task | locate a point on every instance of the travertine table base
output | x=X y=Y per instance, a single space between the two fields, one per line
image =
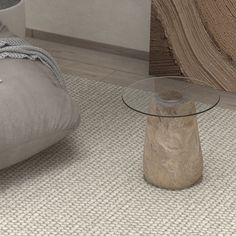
x=172 y=152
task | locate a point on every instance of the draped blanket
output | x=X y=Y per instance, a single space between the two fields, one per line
x=17 y=48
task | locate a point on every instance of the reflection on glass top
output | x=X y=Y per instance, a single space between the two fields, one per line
x=170 y=96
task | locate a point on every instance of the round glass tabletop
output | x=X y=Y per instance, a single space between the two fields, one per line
x=170 y=96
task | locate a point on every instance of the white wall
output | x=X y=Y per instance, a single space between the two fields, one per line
x=123 y=23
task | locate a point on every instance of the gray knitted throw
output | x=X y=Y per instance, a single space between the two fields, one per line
x=16 y=48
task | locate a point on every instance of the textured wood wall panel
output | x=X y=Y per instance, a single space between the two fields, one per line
x=162 y=61
x=202 y=38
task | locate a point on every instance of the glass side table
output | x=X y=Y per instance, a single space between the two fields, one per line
x=172 y=150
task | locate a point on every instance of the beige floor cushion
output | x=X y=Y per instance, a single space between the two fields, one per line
x=34 y=112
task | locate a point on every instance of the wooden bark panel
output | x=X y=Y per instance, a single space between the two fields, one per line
x=202 y=35
x=162 y=61
x=219 y=18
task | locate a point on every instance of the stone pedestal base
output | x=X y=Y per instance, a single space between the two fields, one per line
x=172 y=153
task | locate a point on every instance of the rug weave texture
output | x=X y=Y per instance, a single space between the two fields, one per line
x=91 y=183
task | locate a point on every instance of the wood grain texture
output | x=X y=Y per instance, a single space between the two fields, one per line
x=202 y=35
x=219 y=18
x=162 y=61
x=172 y=152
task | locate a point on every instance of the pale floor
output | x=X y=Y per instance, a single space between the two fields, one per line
x=95 y=65
x=101 y=66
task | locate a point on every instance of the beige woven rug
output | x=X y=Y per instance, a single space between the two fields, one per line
x=91 y=182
